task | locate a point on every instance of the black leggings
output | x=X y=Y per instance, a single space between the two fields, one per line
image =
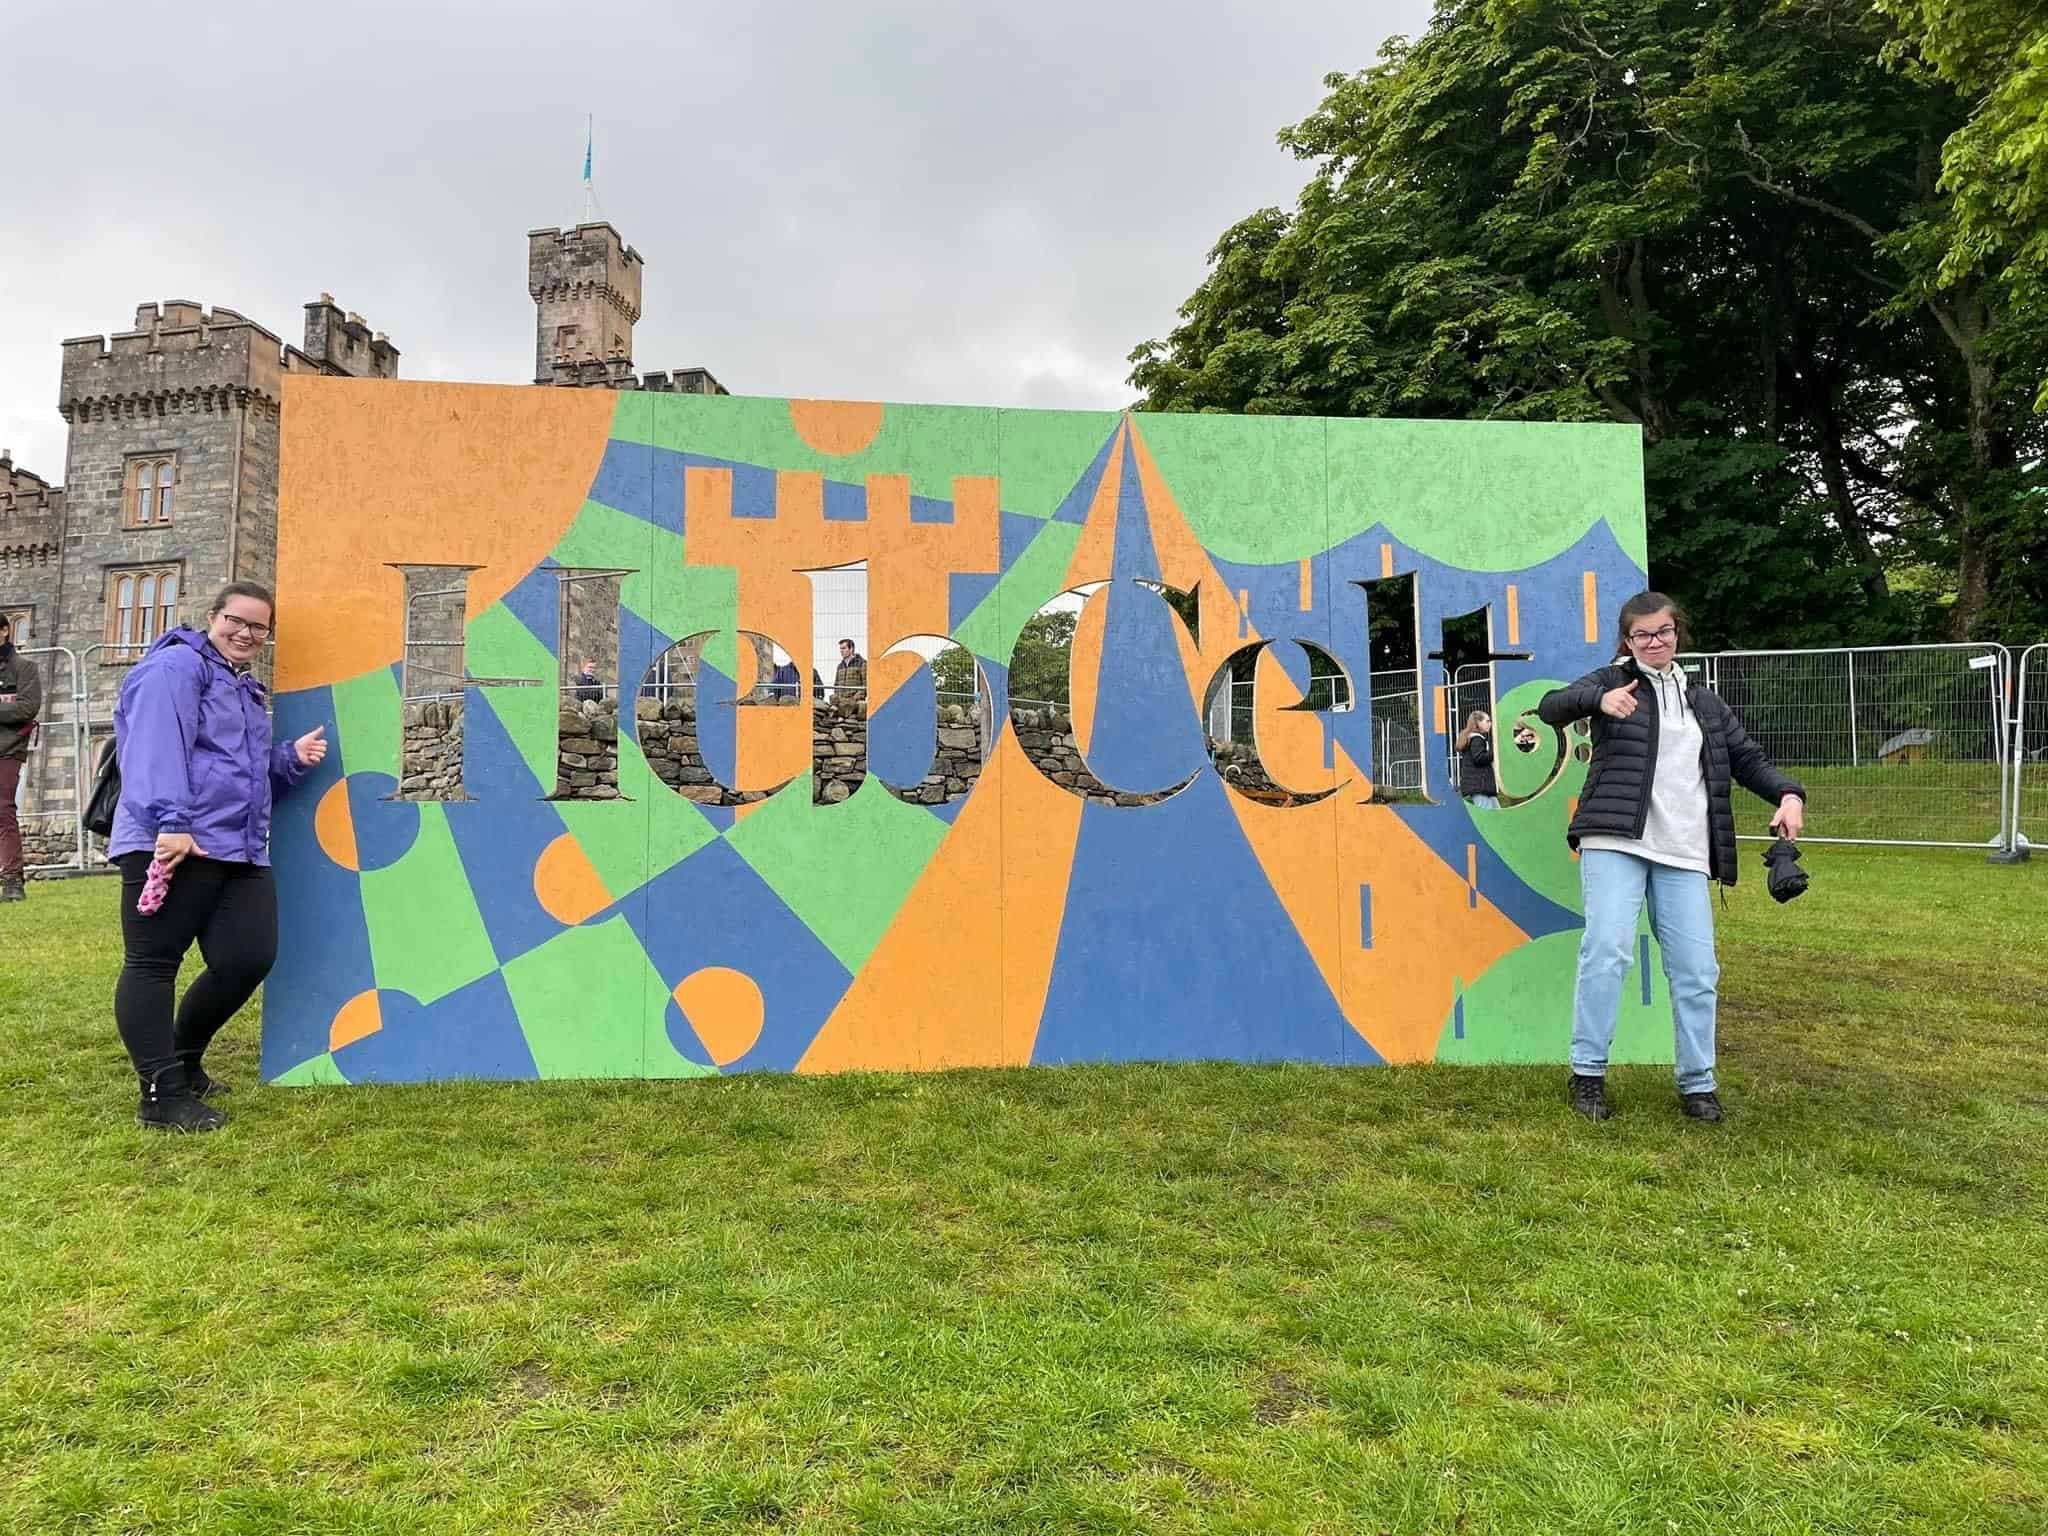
x=231 y=909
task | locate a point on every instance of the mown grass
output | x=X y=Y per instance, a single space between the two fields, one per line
x=1143 y=1299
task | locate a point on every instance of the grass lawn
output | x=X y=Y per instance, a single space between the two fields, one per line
x=1141 y=1299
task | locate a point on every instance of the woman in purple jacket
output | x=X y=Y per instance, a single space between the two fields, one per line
x=197 y=774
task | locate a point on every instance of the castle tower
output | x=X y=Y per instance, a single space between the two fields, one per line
x=585 y=284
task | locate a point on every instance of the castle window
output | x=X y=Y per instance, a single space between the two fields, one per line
x=147 y=498
x=565 y=339
x=141 y=605
x=20 y=620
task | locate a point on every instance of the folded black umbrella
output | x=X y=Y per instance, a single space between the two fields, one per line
x=1787 y=879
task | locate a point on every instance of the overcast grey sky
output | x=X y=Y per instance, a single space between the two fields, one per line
x=890 y=199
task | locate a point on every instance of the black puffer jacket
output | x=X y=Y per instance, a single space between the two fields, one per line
x=1475 y=767
x=1616 y=799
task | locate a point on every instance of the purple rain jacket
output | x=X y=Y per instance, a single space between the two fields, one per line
x=196 y=757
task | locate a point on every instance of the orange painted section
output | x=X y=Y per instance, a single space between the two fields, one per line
x=1308 y=586
x=345 y=506
x=836 y=427
x=725 y=1009
x=1024 y=829
x=1592 y=608
x=334 y=826
x=1514 y=614
x=359 y=1017
x=567 y=886
x=1442 y=708
x=1472 y=865
x=1386 y=561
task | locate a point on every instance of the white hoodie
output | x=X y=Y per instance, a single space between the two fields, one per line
x=1676 y=831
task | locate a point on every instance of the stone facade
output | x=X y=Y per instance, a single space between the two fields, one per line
x=200 y=388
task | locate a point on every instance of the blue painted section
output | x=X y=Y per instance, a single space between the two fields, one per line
x=964 y=593
x=753 y=490
x=473 y=1032
x=323 y=956
x=1146 y=736
x=902 y=732
x=536 y=602
x=1365 y=917
x=712 y=909
x=929 y=509
x=501 y=832
x=718 y=739
x=385 y=828
x=1643 y=964
x=1242 y=984
x=1017 y=533
x=1073 y=508
x=845 y=503
x=1458 y=1016
x=625 y=479
x=640 y=645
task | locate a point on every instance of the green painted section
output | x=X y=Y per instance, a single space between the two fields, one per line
x=367 y=726
x=320 y=1071
x=1045 y=453
x=1529 y=837
x=1252 y=488
x=1486 y=496
x=426 y=934
x=591 y=1005
x=496 y=644
x=843 y=869
x=1483 y=496
x=1520 y=1011
x=674 y=597
x=929 y=443
x=1040 y=573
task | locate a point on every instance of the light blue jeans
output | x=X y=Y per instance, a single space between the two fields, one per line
x=1682 y=916
x=1484 y=802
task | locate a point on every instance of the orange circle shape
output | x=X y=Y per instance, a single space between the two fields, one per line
x=361 y=1015
x=566 y=884
x=837 y=427
x=334 y=825
x=725 y=1008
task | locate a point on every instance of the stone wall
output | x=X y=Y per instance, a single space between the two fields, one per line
x=431 y=759
x=587 y=752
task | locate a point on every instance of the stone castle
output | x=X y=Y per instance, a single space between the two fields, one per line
x=171 y=467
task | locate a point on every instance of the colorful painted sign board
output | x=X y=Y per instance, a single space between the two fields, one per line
x=1173 y=914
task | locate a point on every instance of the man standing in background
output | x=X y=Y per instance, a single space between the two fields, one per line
x=21 y=700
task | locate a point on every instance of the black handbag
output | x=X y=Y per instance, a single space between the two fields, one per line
x=106 y=794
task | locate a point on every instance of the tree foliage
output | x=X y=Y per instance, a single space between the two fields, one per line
x=1720 y=220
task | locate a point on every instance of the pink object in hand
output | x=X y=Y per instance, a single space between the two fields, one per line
x=155 y=888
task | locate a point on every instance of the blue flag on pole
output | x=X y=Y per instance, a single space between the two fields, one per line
x=587 y=142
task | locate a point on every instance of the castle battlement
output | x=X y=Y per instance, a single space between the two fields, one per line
x=343 y=343
x=31 y=515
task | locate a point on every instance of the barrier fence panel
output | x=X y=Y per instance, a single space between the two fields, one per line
x=48 y=801
x=2030 y=749
x=1901 y=744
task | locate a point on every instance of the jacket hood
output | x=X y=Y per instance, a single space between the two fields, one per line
x=183 y=634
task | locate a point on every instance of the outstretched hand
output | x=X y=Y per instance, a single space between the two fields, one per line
x=312 y=746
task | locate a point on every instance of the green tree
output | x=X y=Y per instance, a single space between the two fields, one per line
x=1716 y=221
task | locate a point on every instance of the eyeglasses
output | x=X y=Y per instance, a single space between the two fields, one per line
x=1654 y=636
x=243 y=626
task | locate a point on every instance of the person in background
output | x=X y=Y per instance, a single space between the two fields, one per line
x=21 y=700
x=589 y=687
x=785 y=683
x=198 y=772
x=1475 y=762
x=1655 y=824
x=850 y=682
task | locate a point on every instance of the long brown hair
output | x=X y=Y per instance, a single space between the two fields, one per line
x=1471 y=728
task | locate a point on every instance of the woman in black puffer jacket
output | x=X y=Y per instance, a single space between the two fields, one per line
x=1655 y=823
x=1475 y=762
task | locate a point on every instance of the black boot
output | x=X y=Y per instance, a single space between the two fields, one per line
x=168 y=1104
x=1702 y=1106
x=1589 y=1097
x=13 y=890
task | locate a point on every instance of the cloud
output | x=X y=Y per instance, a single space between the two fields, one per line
x=915 y=201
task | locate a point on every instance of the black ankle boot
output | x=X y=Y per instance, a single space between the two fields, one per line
x=1588 y=1097
x=204 y=1085
x=1702 y=1106
x=168 y=1104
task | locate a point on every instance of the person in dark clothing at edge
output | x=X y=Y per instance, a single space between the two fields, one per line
x=589 y=686
x=1475 y=761
x=198 y=771
x=21 y=700
x=1655 y=822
